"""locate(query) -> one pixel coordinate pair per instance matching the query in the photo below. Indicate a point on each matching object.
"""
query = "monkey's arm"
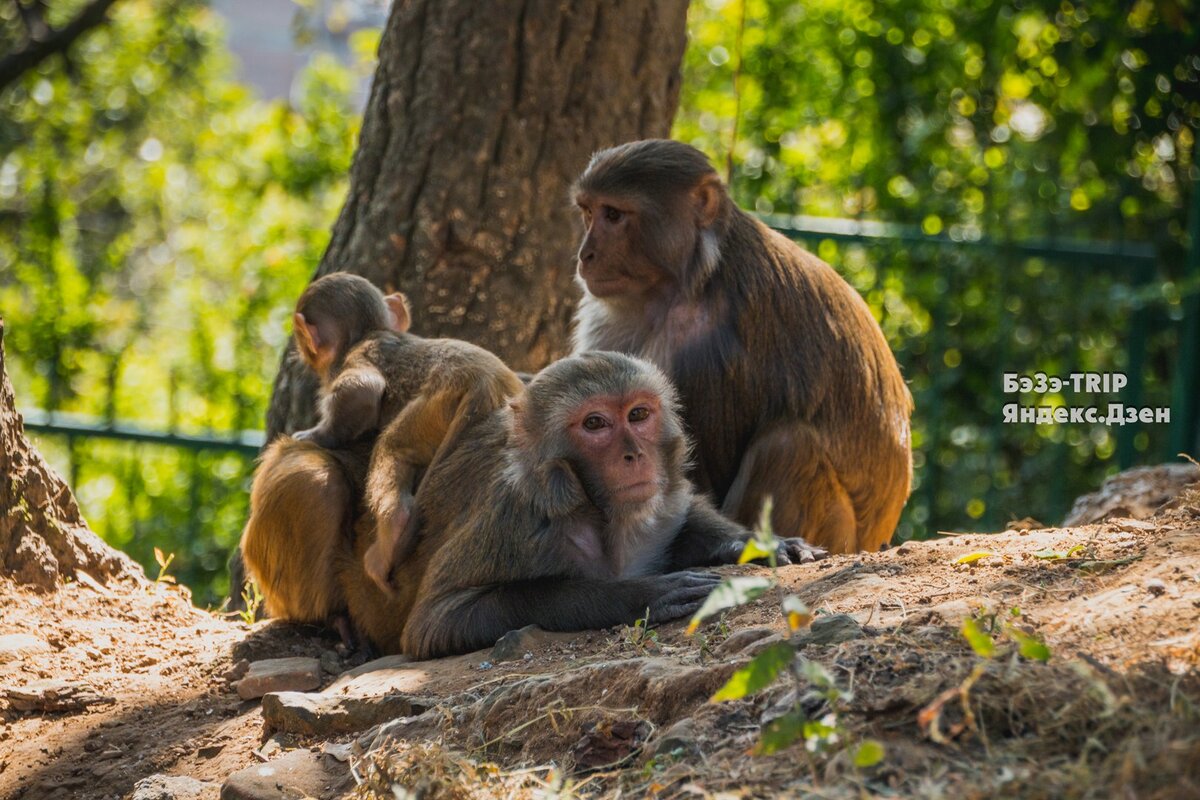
(474, 618)
(424, 428)
(350, 408)
(709, 539)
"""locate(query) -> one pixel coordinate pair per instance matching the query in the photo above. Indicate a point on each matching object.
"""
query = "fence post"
(1185, 405)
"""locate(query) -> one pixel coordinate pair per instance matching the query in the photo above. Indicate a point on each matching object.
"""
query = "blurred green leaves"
(156, 223)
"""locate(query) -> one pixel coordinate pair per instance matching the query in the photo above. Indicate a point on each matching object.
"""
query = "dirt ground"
(1115, 712)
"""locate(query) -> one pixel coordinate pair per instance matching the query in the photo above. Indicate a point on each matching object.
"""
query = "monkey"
(568, 508)
(785, 378)
(373, 374)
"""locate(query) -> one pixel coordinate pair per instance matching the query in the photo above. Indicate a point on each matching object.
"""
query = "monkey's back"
(805, 347)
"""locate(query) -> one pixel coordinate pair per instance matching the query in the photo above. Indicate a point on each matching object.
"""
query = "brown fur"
(374, 374)
(784, 376)
(523, 526)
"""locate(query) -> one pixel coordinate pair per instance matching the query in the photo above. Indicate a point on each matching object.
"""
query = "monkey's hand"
(682, 594)
(798, 551)
(311, 435)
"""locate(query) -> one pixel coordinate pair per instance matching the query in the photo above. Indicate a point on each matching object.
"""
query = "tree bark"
(480, 117)
(43, 537)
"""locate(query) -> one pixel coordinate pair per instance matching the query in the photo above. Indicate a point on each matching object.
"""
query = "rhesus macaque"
(786, 381)
(374, 374)
(306, 549)
(565, 510)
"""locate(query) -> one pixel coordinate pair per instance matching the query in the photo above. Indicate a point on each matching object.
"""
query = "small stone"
(174, 787)
(15, 646)
(279, 675)
(1156, 587)
(53, 694)
(677, 741)
(513, 645)
(237, 671)
(485, 665)
(833, 629)
(740, 640)
(331, 663)
(299, 774)
(326, 715)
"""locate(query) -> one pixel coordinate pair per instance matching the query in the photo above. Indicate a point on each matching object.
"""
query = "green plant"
(820, 733)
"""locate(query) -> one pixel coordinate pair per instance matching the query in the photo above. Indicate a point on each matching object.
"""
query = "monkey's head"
(600, 428)
(337, 311)
(655, 213)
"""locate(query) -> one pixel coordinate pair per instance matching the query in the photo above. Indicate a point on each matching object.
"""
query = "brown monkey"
(373, 373)
(785, 378)
(564, 510)
(307, 550)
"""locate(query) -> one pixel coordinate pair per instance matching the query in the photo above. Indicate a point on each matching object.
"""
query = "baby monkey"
(376, 376)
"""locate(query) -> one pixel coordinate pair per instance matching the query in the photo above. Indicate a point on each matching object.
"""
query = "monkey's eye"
(594, 422)
(639, 414)
(613, 214)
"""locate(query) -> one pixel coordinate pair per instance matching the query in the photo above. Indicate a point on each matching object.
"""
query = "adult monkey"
(786, 380)
(569, 510)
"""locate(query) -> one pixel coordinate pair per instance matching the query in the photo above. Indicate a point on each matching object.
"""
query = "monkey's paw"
(682, 594)
(798, 551)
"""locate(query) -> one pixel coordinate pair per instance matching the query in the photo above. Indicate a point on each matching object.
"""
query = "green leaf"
(868, 753)
(971, 558)
(729, 593)
(757, 674)
(1028, 645)
(780, 732)
(1054, 555)
(980, 642)
(754, 550)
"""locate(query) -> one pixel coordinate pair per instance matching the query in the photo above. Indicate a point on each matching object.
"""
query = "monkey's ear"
(707, 197)
(397, 304)
(558, 489)
(308, 336)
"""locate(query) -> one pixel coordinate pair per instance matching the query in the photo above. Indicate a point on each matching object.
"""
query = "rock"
(832, 629)
(1156, 587)
(1136, 493)
(514, 645)
(299, 774)
(53, 694)
(678, 741)
(14, 646)
(332, 663)
(326, 715)
(279, 675)
(174, 787)
(740, 640)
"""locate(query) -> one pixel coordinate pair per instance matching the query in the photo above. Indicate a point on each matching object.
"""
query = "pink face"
(610, 262)
(618, 438)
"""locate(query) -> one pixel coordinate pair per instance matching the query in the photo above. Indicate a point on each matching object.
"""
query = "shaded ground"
(1115, 712)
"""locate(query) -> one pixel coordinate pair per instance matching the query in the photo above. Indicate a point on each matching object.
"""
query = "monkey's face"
(612, 262)
(618, 442)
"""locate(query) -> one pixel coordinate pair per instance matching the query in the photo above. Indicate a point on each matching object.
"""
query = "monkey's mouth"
(608, 285)
(635, 492)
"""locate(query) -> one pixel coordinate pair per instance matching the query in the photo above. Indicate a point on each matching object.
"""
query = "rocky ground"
(127, 690)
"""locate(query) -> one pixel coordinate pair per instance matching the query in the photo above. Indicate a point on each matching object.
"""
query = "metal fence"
(948, 304)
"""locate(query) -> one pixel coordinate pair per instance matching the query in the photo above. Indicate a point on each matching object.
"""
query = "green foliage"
(966, 120)
(157, 224)
(760, 673)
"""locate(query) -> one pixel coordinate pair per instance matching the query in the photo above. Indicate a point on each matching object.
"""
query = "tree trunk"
(480, 117)
(43, 537)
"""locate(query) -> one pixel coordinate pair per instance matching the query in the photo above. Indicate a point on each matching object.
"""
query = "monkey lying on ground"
(564, 510)
(786, 381)
(374, 374)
